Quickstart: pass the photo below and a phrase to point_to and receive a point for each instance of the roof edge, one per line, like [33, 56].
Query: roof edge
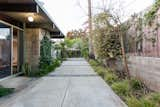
[46, 12]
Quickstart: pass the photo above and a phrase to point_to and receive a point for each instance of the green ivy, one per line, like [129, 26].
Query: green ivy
[150, 16]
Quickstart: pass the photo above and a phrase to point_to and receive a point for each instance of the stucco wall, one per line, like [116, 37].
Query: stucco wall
[146, 69]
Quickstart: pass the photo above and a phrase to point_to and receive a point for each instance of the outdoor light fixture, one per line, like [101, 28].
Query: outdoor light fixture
[30, 19]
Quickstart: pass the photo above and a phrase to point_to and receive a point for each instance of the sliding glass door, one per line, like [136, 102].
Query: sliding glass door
[15, 53]
[17, 50]
[5, 50]
[11, 49]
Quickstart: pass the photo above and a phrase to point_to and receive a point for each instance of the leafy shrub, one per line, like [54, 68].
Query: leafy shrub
[85, 52]
[138, 89]
[106, 38]
[121, 88]
[50, 68]
[100, 71]
[135, 84]
[93, 62]
[154, 98]
[84, 48]
[151, 100]
[131, 91]
[147, 103]
[63, 50]
[26, 69]
[110, 78]
[56, 62]
[47, 69]
[5, 91]
[133, 102]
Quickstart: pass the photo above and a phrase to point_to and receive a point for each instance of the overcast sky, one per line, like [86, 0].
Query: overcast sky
[71, 14]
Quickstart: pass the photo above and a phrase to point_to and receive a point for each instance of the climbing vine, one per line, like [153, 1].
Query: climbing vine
[150, 16]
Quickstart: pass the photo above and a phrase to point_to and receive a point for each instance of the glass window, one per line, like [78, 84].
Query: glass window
[5, 50]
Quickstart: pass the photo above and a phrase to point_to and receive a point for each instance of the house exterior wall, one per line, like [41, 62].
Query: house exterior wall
[32, 47]
[32, 40]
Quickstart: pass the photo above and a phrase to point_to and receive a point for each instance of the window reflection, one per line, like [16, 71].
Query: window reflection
[5, 51]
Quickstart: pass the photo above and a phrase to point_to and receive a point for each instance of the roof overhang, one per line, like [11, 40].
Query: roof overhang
[18, 11]
[56, 35]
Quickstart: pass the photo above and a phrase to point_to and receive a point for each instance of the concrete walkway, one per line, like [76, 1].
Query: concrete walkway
[74, 84]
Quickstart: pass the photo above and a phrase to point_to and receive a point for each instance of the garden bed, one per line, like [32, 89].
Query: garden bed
[133, 92]
[45, 70]
[5, 91]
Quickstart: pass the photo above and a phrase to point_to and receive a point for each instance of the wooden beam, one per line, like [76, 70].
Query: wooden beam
[18, 7]
[55, 33]
[47, 26]
[11, 20]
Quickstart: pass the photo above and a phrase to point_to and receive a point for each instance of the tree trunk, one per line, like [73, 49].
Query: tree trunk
[123, 53]
[91, 49]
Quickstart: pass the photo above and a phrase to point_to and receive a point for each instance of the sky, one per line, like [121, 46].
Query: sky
[72, 14]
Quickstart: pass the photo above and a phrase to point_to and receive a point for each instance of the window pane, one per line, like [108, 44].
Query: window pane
[5, 51]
